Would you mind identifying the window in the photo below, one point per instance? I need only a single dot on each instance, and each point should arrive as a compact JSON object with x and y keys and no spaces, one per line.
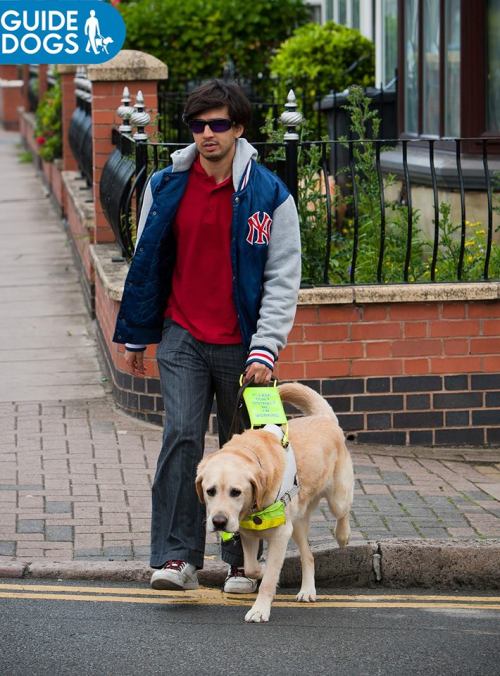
{"x":411,"y":67}
{"x":449,"y":61}
{"x":493,"y":67}
{"x":317,"y":10}
{"x":432,"y":67}
{"x":389,"y":40}
{"x":341,"y":12}
{"x":452,"y":69}
{"x":356,"y":14}
{"x":386,"y":43}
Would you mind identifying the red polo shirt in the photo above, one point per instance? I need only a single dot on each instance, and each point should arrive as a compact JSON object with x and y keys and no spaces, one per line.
{"x":201,"y":299}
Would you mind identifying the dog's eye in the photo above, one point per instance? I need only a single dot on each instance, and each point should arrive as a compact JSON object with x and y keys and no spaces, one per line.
{"x":234,"y":492}
{"x":211,"y":492}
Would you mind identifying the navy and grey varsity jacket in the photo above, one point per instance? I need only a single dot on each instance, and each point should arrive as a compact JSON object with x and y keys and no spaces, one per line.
{"x":265,"y":255}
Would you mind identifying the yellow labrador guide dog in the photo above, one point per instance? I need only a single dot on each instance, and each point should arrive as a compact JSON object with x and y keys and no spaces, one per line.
{"x":245,"y":476}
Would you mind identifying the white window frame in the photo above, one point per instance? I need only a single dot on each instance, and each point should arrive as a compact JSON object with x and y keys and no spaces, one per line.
{"x":322,"y":4}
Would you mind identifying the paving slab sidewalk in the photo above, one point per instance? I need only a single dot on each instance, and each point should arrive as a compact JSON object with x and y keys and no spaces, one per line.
{"x":76,"y":473}
{"x":75,"y":484}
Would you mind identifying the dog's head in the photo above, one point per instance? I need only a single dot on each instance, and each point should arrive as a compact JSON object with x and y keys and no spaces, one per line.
{"x":231,"y":485}
{"x":108,"y":41}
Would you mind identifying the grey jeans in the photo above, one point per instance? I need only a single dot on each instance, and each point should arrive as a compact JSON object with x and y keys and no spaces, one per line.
{"x":191,"y":373}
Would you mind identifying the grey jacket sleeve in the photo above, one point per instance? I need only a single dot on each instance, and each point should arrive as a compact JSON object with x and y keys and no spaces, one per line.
{"x":282,"y":276}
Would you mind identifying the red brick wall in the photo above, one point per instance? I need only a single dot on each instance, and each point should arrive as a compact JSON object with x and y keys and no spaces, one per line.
{"x":11,"y":98}
{"x":56,"y":184}
{"x":403,"y":373}
{"x":68,"y":108}
{"x":27,"y":130}
{"x":393,"y":339}
{"x":139,"y":396}
{"x":81,"y":238}
{"x":10,"y":72}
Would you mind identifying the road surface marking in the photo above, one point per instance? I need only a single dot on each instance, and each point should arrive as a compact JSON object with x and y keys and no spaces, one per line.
{"x":211,"y":591}
{"x":206,"y":596}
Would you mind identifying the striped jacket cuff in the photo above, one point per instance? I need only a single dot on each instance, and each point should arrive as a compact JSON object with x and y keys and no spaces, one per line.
{"x":130,"y":347}
{"x":261,"y":355}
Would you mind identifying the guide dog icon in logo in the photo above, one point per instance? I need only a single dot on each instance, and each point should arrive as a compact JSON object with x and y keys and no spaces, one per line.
{"x":95,"y":40}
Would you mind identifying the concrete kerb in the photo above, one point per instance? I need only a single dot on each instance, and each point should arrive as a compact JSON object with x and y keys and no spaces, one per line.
{"x":390,"y":563}
{"x":445,"y":564}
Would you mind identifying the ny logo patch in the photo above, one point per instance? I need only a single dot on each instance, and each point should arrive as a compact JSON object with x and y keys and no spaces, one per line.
{"x":259,"y":229}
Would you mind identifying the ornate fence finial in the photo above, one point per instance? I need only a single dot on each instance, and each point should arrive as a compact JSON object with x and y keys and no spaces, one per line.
{"x":291,"y":118}
{"x":125,"y":111}
{"x":140,"y":118}
{"x":83,"y":86}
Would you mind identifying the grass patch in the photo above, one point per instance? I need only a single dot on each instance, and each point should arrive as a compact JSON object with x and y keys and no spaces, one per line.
{"x":25,"y":157}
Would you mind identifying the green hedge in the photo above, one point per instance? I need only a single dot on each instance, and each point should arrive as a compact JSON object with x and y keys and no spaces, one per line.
{"x":196,"y":38}
{"x":319,"y":58}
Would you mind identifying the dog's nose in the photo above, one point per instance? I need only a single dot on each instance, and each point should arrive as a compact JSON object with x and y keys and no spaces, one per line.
{"x":219,"y":521}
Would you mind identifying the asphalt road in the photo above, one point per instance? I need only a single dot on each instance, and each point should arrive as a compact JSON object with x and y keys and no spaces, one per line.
{"x":83,"y":628}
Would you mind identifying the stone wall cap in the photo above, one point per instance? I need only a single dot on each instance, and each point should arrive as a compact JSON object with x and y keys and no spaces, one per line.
{"x":345,"y":295}
{"x":111,"y":273}
{"x":128,"y":65}
{"x":65,"y":68}
{"x":81,"y":197}
{"x":321,"y":295}
{"x":400,"y":293}
{"x":10,"y":83}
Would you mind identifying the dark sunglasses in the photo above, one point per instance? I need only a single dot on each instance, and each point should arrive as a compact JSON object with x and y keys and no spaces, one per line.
{"x":197,"y":126}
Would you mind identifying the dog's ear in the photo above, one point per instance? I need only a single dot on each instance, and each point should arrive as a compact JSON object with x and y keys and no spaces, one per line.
{"x":198,"y":480}
{"x":258,"y":488}
{"x":199,"y":489}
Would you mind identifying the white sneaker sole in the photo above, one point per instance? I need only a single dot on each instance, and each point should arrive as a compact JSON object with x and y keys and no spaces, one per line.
{"x":165,"y":583}
{"x":246,"y":588}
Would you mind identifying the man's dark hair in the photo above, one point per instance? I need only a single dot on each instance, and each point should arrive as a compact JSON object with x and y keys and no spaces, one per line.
{"x":215,"y":94}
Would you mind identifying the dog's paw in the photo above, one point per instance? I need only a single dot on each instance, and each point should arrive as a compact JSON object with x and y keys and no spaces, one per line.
{"x":258,"y":614}
{"x":306,"y":595}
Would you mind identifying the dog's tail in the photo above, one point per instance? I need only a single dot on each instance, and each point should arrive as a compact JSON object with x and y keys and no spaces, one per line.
{"x":305,"y":399}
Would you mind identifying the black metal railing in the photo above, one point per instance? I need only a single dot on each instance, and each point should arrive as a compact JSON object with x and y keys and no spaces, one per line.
{"x":171,"y":107}
{"x":33,"y":88}
{"x":80,"y":128}
{"x":353,"y":229}
{"x":324,"y":110}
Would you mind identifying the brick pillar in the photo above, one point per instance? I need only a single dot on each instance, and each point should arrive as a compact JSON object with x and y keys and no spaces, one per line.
{"x":42,"y":80}
{"x":11,"y":96}
{"x":10,"y":72}
{"x":25,"y":76}
{"x":137,"y":71}
{"x":67,"y":74}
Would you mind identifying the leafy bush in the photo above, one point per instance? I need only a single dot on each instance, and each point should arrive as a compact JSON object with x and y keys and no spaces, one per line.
{"x":396,"y":235}
{"x":311,"y":202}
{"x":312,"y":208}
{"x":48,"y":129}
{"x":362,"y":120}
{"x":474,"y":255}
{"x":318,"y":59}
{"x":196,"y":38}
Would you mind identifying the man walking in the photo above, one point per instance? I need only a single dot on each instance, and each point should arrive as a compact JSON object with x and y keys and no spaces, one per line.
{"x":93,"y":31}
{"x":214,"y":280}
